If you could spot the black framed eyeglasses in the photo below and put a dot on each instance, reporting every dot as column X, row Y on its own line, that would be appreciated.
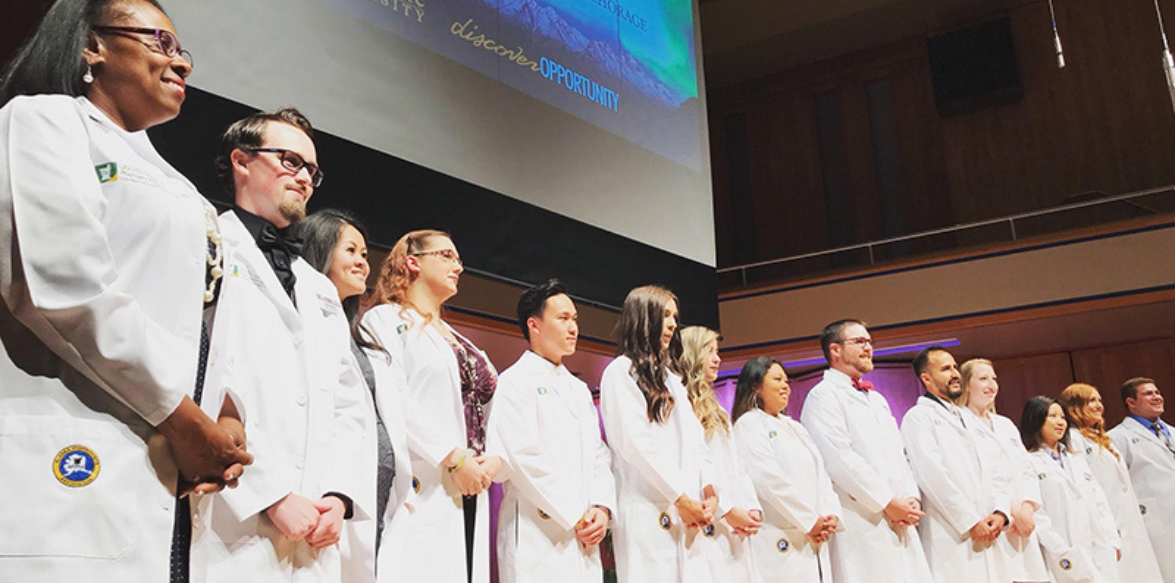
column 294, row 162
column 166, row 42
column 448, row 254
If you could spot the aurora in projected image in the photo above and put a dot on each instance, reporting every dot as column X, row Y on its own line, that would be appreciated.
column 626, row 66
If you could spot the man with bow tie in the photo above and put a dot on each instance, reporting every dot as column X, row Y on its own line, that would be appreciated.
column 966, row 503
column 858, row 438
column 1147, row 446
column 280, row 347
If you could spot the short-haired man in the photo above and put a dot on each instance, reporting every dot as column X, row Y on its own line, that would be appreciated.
column 963, row 499
column 858, row 437
column 1147, row 446
column 558, row 485
column 281, row 346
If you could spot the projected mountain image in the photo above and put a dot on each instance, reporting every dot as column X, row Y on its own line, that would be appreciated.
column 628, row 67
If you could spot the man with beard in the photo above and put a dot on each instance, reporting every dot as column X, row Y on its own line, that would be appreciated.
column 858, row 437
column 965, row 503
column 281, row 348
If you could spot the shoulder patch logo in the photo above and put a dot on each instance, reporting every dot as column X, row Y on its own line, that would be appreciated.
column 107, row 172
column 76, row 466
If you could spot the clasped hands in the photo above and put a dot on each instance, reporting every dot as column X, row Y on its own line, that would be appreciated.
column 209, row 456
column 319, row 522
column 904, row 511
column 472, row 474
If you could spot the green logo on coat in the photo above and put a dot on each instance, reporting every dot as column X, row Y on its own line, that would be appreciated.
column 401, row 328
column 107, row 172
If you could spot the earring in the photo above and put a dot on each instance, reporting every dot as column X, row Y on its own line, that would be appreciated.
column 88, row 77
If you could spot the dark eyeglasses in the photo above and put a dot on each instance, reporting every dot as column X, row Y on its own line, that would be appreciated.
column 448, row 254
column 165, row 41
column 294, row 162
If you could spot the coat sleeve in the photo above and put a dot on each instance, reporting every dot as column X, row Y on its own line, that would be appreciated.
column 58, row 275
column 603, row 490
column 934, row 479
column 775, row 485
column 825, row 421
column 352, row 437
column 515, row 437
column 632, row 437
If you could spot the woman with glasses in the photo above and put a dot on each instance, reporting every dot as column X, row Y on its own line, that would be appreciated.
column 1089, row 440
column 1075, row 527
column 998, row 443
column 335, row 243
column 729, row 551
column 801, row 509
column 449, row 386
column 665, row 476
column 110, row 258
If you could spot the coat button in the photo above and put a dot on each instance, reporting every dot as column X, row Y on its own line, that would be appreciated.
column 301, row 400
column 301, row 464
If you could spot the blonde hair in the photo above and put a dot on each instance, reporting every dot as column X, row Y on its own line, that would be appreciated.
column 1076, row 398
column 692, row 364
column 394, row 276
column 967, row 372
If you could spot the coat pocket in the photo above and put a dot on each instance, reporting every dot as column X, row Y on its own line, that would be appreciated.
column 71, row 487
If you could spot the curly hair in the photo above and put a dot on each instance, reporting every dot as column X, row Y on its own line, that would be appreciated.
column 695, row 343
column 394, row 276
column 1076, row 398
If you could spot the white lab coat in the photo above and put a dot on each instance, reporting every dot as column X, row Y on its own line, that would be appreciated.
column 1138, row 564
column 729, row 554
column 958, row 490
column 305, row 410
column 862, row 448
column 429, row 544
column 1000, row 447
column 1152, row 469
column 102, row 278
column 357, row 545
column 794, row 491
column 654, row 464
column 1075, row 526
column 545, row 427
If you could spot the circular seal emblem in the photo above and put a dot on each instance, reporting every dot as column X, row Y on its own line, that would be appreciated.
column 1066, row 564
column 76, row 466
column 415, row 484
column 544, row 515
column 783, row 545
column 665, row 521
column 708, row 530
column 1142, row 509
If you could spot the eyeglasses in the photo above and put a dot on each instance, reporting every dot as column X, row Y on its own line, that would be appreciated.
column 294, row 162
column 165, row 41
column 862, row 341
column 448, row 254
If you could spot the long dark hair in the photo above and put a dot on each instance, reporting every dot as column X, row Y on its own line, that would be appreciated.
column 1036, row 412
column 320, row 233
column 51, row 60
column 750, row 378
column 638, row 335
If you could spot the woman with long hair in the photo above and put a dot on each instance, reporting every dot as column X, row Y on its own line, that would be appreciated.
column 800, row 509
column 1089, row 440
column 664, row 470
column 449, row 384
column 335, row 243
column 110, row 258
column 729, row 555
column 998, row 443
column 1075, row 526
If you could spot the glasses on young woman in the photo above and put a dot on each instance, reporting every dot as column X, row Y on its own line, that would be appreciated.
column 294, row 162
column 448, row 254
column 165, row 41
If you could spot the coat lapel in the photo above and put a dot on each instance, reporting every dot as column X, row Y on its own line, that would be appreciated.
column 242, row 248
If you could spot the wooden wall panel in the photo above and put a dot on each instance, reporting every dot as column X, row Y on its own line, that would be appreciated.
column 1108, row 367
column 1103, row 124
column 1025, row 377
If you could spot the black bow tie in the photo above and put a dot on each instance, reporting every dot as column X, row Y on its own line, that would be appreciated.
column 273, row 238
